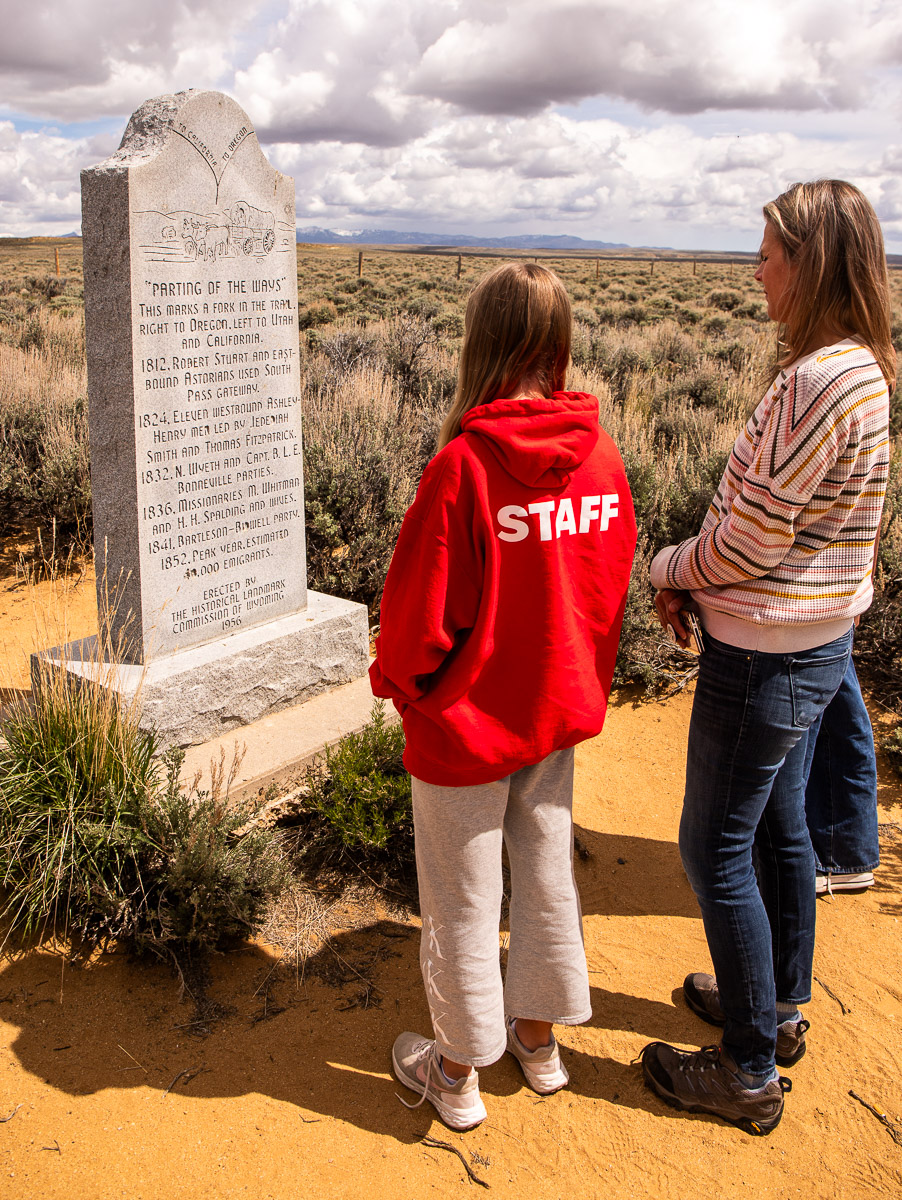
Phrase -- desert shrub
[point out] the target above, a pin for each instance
(634, 314)
(645, 655)
(892, 748)
(752, 311)
(45, 286)
(685, 498)
(94, 846)
(671, 498)
(358, 808)
(878, 641)
(589, 345)
(409, 344)
(422, 306)
(726, 300)
(449, 324)
(323, 313)
(607, 314)
(32, 335)
(687, 316)
(362, 463)
(208, 874)
(736, 355)
(670, 346)
(44, 456)
(349, 349)
(704, 386)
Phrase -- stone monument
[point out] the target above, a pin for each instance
(195, 424)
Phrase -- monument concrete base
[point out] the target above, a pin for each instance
(276, 750)
(198, 694)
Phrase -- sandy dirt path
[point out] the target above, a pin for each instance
(290, 1094)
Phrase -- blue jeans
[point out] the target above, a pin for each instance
(841, 796)
(745, 791)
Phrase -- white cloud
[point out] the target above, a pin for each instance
(39, 179)
(679, 58)
(457, 115)
(70, 61)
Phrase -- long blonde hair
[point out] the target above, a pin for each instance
(834, 243)
(517, 328)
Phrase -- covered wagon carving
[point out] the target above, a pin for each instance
(251, 229)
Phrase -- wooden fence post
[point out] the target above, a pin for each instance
(651, 268)
(597, 267)
(694, 266)
(458, 265)
(359, 263)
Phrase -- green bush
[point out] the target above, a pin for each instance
(317, 314)
(74, 772)
(358, 806)
(892, 748)
(93, 845)
(726, 300)
(45, 286)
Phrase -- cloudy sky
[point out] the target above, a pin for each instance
(651, 122)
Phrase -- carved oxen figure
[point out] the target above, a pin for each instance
(217, 240)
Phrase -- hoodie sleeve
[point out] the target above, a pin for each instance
(432, 591)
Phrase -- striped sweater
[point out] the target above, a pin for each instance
(789, 536)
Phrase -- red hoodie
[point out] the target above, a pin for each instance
(505, 596)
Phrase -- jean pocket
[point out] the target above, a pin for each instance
(812, 685)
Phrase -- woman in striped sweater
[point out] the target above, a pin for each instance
(778, 573)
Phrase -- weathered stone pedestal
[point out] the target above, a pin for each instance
(202, 693)
(191, 318)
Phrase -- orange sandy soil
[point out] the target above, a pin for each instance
(289, 1093)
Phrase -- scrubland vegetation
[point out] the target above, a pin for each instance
(678, 356)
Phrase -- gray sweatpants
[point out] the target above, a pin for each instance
(459, 832)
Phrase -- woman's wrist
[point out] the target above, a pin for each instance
(657, 572)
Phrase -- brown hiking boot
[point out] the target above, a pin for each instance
(702, 1081)
(701, 995)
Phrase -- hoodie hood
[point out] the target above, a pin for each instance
(539, 441)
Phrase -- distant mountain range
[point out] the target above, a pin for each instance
(391, 237)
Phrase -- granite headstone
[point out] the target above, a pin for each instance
(195, 423)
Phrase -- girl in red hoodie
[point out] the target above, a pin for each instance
(499, 626)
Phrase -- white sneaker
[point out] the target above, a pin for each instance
(826, 885)
(543, 1069)
(417, 1067)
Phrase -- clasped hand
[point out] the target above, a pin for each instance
(669, 605)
